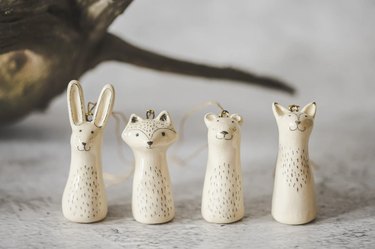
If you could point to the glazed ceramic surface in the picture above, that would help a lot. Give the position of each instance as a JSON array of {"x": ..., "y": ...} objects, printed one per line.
[
  {"x": 84, "y": 199},
  {"x": 149, "y": 139},
  {"x": 222, "y": 200},
  {"x": 293, "y": 200}
]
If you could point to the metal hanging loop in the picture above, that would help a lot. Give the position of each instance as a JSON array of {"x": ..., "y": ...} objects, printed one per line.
[
  {"x": 150, "y": 114},
  {"x": 293, "y": 108}
]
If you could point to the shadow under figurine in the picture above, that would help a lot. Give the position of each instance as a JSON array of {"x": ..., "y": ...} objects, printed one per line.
[
  {"x": 84, "y": 199},
  {"x": 293, "y": 200}
]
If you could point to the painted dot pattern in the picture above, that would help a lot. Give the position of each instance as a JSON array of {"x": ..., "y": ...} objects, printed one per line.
[
  {"x": 295, "y": 167},
  {"x": 154, "y": 197},
  {"x": 149, "y": 126},
  {"x": 224, "y": 192},
  {"x": 86, "y": 195}
]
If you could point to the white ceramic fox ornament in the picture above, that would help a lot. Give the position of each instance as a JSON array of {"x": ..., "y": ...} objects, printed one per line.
[
  {"x": 84, "y": 199},
  {"x": 149, "y": 139},
  {"x": 222, "y": 199},
  {"x": 293, "y": 200}
]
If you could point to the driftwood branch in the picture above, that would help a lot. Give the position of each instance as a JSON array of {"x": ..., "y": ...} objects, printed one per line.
[
  {"x": 114, "y": 48},
  {"x": 46, "y": 43}
]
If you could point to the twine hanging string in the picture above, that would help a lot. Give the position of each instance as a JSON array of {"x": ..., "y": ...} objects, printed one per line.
[
  {"x": 119, "y": 117},
  {"x": 112, "y": 179},
  {"x": 183, "y": 161}
]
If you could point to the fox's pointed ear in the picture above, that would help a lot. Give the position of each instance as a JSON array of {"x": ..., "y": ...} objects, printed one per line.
[
  {"x": 237, "y": 118},
  {"x": 278, "y": 110},
  {"x": 310, "y": 109},
  {"x": 75, "y": 103},
  {"x": 208, "y": 118},
  {"x": 164, "y": 117},
  {"x": 105, "y": 105},
  {"x": 134, "y": 119}
]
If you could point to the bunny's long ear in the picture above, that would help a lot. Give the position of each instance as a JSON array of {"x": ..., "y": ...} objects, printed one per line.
[
  {"x": 278, "y": 110},
  {"x": 164, "y": 117},
  {"x": 105, "y": 105},
  {"x": 310, "y": 109},
  {"x": 75, "y": 103}
]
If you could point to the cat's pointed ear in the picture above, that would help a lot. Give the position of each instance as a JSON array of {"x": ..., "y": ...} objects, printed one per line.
[
  {"x": 278, "y": 110},
  {"x": 310, "y": 109},
  {"x": 104, "y": 106},
  {"x": 237, "y": 118},
  {"x": 75, "y": 103},
  {"x": 164, "y": 117},
  {"x": 209, "y": 117}
]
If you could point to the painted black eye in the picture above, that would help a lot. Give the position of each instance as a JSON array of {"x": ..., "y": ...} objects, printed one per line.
[
  {"x": 92, "y": 132},
  {"x": 232, "y": 122},
  {"x": 137, "y": 134},
  {"x": 217, "y": 120},
  {"x": 305, "y": 116},
  {"x": 80, "y": 130},
  {"x": 163, "y": 133}
]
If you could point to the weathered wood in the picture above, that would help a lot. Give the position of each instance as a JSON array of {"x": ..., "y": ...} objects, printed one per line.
[{"x": 44, "y": 44}]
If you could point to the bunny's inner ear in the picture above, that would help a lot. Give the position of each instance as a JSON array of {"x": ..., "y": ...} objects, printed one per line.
[
  {"x": 209, "y": 117},
  {"x": 164, "y": 117},
  {"x": 310, "y": 109},
  {"x": 237, "y": 118},
  {"x": 105, "y": 105},
  {"x": 279, "y": 110},
  {"x": 75, "y": 103}
]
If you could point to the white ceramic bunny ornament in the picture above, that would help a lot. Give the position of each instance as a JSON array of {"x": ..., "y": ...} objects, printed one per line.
[
  {"x": 152, "y": 201},
  {"x": 293, "y": 200},
  {"x": 84, "y": 199},
  {"x": 222, "y": 200}
]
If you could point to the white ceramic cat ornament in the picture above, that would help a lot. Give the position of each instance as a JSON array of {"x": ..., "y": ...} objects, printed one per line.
[
  {"x": 152, "y": 201},
  {"x": 293, "y": 200},
  {"x": 84, "y": 199},
  {"x": 222, "y": 200}
]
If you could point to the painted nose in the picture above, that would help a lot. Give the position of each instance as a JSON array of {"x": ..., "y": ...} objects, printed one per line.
[
  {"x": 224, "y": 132},
  {"x": 83, "y": 143},
  {"x": 150, "y": 143},
  {"x": 298, "y": 122}
]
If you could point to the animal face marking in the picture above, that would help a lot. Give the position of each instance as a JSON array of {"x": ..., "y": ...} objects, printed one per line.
[
  {"x": 294, "y": 120},
  {"x": 149, "y": 133},
  {"x": 83, "y": 136},
  {"x": 223, "y": 128}
]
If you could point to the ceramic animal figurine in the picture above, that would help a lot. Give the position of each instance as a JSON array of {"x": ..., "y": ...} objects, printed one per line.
[
  {"x": 149, "y": 139},
  {"x": 222, "y": 200},
  {"x": 84, "y": 199},
  {"x": 293, "y": 200}
]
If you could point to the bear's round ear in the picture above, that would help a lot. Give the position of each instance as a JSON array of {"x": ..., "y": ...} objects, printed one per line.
[
  {"x": 208, "y": 118},
  {"x": 237, "y": 117}
]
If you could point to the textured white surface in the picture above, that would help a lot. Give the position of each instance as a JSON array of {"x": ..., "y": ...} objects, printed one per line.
[{"x": 325, "y": 48}]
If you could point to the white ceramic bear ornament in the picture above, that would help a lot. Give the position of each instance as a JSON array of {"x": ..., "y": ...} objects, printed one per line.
[
  {"x": 222, "y": 199},
  {"x": 84, "y": 199},
  {"x": 293, "y": 200},
  {"x": 149, "y": 139}
]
